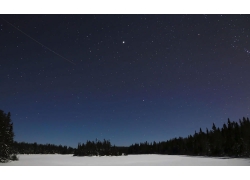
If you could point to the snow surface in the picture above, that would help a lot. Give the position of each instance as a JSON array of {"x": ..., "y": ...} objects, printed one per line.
[{"x": 130, "y": 160}]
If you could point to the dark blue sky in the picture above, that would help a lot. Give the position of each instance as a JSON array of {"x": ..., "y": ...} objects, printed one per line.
[{"x": 134, "y": 78}]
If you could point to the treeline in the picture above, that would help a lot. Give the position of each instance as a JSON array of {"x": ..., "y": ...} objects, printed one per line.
[
  {"x": 232, "y": 140},
  {"x": 99, "y": 148},
  {"x": 34, "y": 148}
]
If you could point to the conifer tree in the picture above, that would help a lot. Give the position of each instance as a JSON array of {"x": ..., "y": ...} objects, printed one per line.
[{"x": 6, "y": 138}]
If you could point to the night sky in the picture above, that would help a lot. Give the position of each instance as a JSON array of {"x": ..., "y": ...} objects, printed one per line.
[{"x": 127, "y": 78}]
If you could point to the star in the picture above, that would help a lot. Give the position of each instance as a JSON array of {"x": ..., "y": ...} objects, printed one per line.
[{"x": 161, "y": 72}]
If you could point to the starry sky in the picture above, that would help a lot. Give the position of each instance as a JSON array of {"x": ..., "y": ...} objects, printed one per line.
[{"x": 127, "y": 78}]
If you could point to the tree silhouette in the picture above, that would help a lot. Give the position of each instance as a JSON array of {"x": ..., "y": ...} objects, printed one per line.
[{"x": 6, "y": 137}]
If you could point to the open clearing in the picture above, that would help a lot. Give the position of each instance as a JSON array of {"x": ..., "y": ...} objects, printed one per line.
[{"x": 130, "y": 160}]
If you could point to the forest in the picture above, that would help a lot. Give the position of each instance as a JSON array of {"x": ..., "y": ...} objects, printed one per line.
[
  {"x": 98, "y": 148},
  {"x": 231, "y": 140},
  {"x": 34, "y": 148}
]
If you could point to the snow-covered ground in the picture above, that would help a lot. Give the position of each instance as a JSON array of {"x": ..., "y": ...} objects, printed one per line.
[{"x": 130, "y": 160}]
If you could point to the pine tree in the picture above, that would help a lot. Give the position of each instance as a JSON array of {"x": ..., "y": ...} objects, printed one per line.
[{"x": 6, "y": 138}]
